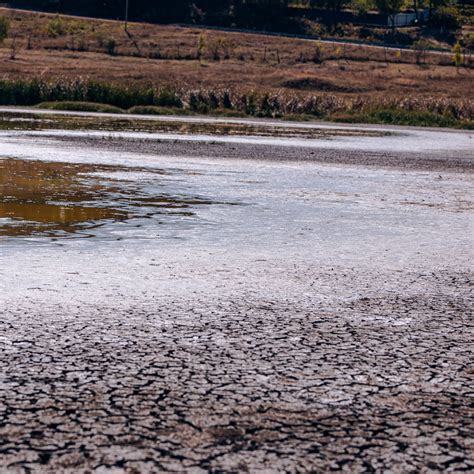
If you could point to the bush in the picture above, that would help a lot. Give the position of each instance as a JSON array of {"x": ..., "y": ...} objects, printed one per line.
[
  {"x": 396, "y": 37},
  {"x": 457, "y": 57},
  {"x": 151, "y": 110},
  {"x": 398, "y": 117},
  {"x": 269, "y": 107},
  {"x": 365, "y": 33},
  {"x": 56, "y": 27},
  {"x": 446, "y": 18},
  {"x": 251, "y": 104},
  {"x": 110, "y": 46},
  {"x": 318, "y": 53},
  {"x": 81, "y": 107},
  {"x": 60, "y": 27},
  {"x": 4, "y": 28},
  {"x": 198, "y": 102},
  {"x": 468, "y": 42},
  {"x": 361, "y": 7},
  {"x": 168, "y": 98},
  {"x": 420, "y": 48},
  {"x": 227, "y": 100}
]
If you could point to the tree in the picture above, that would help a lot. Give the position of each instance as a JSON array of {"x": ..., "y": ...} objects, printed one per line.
[
  {"x": 457, "y": 57},
  {"x": 389, "y": 8},
  {"x": 334, "y": 6},
  {"x": 361, "y": 7}
]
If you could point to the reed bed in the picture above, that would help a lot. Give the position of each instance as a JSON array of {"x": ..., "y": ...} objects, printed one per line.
[{"x": 443, "y": 111}]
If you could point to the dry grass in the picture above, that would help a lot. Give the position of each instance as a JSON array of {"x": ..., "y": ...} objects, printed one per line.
[{"x": 162, "y": 55}]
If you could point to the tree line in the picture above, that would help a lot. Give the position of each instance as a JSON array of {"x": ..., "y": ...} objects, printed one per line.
[
  {"x": 271, "y": 14},
  {"x": 156, "y": 10}
]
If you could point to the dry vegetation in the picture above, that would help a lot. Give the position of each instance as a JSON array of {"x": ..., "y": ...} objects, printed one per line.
[{"x": 50, "y": 47}]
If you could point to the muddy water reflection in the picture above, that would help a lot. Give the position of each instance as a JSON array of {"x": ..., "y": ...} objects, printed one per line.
[{"x": 64, "y": 199}]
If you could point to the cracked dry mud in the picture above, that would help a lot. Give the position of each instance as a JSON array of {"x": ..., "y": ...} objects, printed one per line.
[
  {"x": 380, "y": 382},
  {"x": 245, "y": 355}
]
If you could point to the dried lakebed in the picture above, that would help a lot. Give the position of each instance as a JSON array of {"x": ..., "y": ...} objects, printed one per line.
[{"x": 175, "y": 305}]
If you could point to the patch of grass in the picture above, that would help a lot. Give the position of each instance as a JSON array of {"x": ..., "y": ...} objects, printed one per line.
[
  {"x": 298, "y": 118},
  {"x": 229, "y": 113},
  {"x": 312, "y": 84},
  {"x": 81, "y": 107},
  {"x": 401, "y": 117},
  {"x": 154, "y": 110},
  {"x": 60, "y": 26}
]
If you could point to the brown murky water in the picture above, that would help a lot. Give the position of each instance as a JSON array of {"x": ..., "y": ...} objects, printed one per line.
[
  {"x": 62, "y": 199},
  {"x": 46, "y": 198}
]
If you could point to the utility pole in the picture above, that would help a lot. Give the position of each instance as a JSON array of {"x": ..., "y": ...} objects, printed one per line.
[{"x": 126, "y": 15}]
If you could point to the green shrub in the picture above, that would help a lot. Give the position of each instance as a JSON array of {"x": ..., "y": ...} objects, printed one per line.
[
  {"x": 457, "y": 57},
  {"x": 56, "y": 27},
  {"x": 398, "y": 117},
  {"x": 201, "y": 46},
  {"x": 4, "y": 28},
  {"x": 251, "y": 104},
  {"x": 446, "y": 17},
  {"x": 151, "y": 110},
  {"x": 269, "y": 107},
  {"x": 110, "y": 46},
  {"x": 227, "y": 100},
  {"x": 361, "y": 7},
  {"x": 81, "y": 107},
  {"x": 420, "y": 48},
  {"x": 198, "y": 102},
  {"x": 468, "y": 41},
  {"x": 168, "y": 98},
  {"x": 318, "y": 53}
]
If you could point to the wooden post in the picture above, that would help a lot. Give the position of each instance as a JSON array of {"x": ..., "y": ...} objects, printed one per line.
[{"x": 126, "y": 15}]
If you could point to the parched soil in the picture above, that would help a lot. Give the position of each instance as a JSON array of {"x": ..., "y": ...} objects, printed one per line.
[
  {"x": 167, "y": 55},
  {"x": 373, "y": 383},
  {"x": 377, "y": 159}
]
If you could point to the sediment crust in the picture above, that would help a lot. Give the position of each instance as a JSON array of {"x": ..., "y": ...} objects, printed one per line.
[
  {"x": 443, "y": 161},
  {"x": 368, "y": 384}
]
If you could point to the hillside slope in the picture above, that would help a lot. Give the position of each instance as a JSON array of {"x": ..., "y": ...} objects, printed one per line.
[{"x": 64, "y": 47}]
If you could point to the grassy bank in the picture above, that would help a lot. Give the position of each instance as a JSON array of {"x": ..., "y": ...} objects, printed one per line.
[
  {"x": 396, "y": 116},
  {"x": 84, "y": 95}
]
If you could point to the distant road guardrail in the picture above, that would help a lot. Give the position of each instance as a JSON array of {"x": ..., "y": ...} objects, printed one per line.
[
  {"x": 323, "y": 39},
  {"x": 356, "y": 42}
]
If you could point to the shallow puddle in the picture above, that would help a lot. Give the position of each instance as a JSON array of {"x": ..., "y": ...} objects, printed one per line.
[{"x": 64, "y": 199}]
